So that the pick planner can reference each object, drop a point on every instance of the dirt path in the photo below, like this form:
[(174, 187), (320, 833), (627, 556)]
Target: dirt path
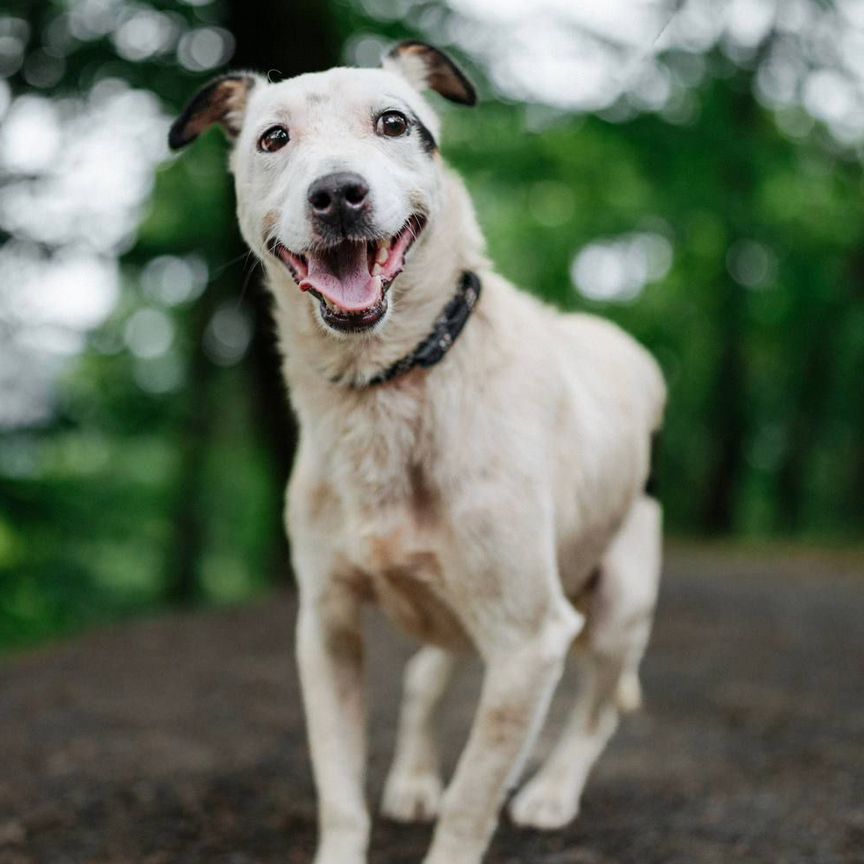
[(180, 740)]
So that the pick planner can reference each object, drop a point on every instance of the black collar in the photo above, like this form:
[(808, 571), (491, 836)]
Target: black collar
[(448, 325)]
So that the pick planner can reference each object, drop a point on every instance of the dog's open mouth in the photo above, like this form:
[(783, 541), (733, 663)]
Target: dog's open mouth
[(351, 278)]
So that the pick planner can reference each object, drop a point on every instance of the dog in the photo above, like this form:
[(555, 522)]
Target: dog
[(470, 459)]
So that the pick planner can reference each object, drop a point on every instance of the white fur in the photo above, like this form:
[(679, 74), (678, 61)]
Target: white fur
[(472, 501)]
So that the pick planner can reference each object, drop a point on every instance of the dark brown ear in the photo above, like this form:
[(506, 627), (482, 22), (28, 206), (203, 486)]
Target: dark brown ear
[(222, 101), (428, 68)]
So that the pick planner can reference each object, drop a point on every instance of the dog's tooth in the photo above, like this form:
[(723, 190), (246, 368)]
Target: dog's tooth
[(383, 255), (376, 269)]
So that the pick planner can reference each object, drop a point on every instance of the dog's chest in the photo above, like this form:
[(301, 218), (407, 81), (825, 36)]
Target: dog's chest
[(397, 549), (387, 527), (393, 534), (403, 570)]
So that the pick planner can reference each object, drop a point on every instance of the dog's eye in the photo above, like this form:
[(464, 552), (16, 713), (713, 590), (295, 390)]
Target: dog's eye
[(275, 138), (392, 124)]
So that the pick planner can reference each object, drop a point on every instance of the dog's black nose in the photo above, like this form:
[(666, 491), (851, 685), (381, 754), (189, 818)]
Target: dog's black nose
[(339, 199)]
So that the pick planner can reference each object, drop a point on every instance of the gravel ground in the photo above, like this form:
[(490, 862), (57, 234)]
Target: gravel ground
[(180, 740)]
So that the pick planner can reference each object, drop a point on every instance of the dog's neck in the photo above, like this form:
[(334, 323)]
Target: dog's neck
[(450, 245)]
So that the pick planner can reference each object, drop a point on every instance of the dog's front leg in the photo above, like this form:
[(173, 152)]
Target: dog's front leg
[(330, 657), (521, 674)]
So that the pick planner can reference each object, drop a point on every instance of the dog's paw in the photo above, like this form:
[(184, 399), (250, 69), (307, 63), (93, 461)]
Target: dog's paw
[(412, 797), (544, 805)]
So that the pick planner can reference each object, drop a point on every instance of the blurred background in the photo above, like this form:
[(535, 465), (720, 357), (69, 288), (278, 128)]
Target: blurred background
[(691, 170)]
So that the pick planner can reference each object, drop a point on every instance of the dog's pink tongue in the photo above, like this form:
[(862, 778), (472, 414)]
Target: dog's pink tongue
[(341, 275)]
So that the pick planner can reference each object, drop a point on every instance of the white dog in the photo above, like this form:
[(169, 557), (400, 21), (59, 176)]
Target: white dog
[(469, 459)]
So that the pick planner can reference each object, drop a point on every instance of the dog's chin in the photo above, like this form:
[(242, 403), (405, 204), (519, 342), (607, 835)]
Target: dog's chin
[(367, 321), (350, 279)]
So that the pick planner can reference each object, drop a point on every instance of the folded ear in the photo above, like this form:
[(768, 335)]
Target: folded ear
[(428, 68), (222, 101)]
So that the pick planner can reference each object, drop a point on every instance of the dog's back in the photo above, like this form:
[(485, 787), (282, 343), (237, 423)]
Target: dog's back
[(621, 364)]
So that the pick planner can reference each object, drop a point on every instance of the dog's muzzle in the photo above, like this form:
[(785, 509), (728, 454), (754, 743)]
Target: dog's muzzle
[(339, 204), (350, 276)]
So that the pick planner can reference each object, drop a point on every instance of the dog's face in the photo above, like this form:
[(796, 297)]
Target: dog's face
[(337, 172)]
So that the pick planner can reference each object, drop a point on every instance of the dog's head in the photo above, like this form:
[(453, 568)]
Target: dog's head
[(337, 172)]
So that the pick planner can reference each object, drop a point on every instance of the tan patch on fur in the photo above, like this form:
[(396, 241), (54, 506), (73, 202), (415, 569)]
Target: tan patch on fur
[(230, 101), (269, 222), (507, 721), (412, 602), (404, 579), (424, 501), (321, 500), (441, 74), (384, 551), (223, 105), (338, 606)]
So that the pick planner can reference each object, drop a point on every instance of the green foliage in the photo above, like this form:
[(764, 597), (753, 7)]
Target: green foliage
[(135, 495), (728, 177)]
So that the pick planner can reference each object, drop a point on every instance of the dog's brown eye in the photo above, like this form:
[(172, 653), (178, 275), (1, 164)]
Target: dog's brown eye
[(275, 138), (392, 124)]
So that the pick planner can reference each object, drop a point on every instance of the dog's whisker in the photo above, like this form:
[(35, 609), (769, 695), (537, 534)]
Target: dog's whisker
[(250, 271), (222, 268)]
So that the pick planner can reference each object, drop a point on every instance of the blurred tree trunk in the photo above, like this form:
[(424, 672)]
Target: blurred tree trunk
[(272, 36), (799, 446), (854, 496), (855, 491), (728, 397), (814, 362), (283, 39), (815, 347), (729, 388), (188, 542)]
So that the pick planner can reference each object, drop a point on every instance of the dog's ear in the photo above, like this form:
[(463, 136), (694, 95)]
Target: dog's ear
[(428, 68), (222, 101)]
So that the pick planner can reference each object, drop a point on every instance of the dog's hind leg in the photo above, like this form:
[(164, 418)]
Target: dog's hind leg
[(550, 800), (413, 788), (619, 624)]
